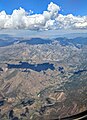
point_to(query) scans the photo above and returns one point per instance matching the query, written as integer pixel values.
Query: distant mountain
(36, 41)
(75, 41)
(64, 41)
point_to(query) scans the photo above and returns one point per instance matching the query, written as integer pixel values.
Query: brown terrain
(42, 81)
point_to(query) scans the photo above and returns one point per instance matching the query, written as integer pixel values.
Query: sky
(76, 7)
(43, 14)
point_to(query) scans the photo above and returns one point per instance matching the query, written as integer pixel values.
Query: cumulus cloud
(72, 22)
(49, 19)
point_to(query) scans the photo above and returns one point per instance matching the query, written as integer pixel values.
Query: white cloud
(50, 19)
(72, 22)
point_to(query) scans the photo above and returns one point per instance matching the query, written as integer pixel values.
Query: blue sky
(76, 7)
